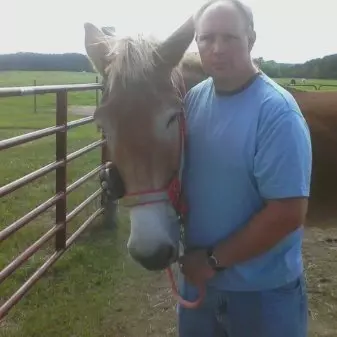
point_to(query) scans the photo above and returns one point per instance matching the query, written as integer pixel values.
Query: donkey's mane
(132, 83)
(132, 62)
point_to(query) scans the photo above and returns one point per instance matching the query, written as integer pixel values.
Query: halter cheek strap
(173, 194)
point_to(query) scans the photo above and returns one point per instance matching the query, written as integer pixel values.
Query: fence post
(61, 172)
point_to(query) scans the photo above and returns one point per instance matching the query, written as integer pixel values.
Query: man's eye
(205, 38)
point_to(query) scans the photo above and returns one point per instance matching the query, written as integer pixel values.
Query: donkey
(141, 115)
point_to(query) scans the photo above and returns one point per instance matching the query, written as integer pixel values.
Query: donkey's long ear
(108, 31)
(98, 46)
(171, 51)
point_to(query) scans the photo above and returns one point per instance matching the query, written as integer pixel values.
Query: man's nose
(219, 46)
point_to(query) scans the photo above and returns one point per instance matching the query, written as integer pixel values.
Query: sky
(287, 30)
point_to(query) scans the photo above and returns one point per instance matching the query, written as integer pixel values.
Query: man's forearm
(262, 232)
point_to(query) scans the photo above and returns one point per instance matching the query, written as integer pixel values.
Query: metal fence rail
(317, 87)
(62, 190)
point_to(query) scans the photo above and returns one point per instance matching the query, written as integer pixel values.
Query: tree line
(45, 62)
(324, 68)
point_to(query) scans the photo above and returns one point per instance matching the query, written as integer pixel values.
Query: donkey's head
(140, 115)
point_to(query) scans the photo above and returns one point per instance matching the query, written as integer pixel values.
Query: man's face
(223, 41)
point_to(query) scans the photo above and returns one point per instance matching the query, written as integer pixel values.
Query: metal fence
(62, 190)
(317, 87)
(35, 100)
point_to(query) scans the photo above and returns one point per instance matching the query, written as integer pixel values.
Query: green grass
(317, 82)
(44, 103)
(94, 288)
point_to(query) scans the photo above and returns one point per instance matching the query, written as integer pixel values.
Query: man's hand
(195, 267)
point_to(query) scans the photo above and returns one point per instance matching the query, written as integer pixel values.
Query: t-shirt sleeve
(283, 159)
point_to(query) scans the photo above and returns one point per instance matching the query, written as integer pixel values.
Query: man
(247, 181)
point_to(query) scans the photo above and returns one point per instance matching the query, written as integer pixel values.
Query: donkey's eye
(172, 119)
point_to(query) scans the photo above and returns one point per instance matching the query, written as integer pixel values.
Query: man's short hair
(244, 10)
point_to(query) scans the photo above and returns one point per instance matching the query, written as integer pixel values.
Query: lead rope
(185, 303)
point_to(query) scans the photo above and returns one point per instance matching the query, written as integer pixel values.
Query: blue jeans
(280, 312)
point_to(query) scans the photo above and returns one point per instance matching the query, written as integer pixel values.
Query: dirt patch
(320, 243)
(82, 110)
(320, 257)
(140, 304)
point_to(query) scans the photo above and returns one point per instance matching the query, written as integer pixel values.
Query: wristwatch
(213, 261)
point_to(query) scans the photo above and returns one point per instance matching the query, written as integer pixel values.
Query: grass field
(45, 102)
(327, 85)
(95, 290)
(83, 294)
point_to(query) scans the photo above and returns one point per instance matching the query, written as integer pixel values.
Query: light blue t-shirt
(243, 148)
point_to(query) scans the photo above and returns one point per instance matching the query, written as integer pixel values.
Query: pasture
(95, 289)
(327, 85)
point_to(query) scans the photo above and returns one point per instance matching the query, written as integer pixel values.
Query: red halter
(173, 194)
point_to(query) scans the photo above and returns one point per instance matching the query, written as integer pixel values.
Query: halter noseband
(173, 194)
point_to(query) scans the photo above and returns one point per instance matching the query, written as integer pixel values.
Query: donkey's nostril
(159, 260)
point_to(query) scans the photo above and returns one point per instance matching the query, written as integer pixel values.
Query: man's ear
(251, 39)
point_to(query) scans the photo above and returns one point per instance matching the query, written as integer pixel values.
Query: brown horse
(141, 115)
(320, 111)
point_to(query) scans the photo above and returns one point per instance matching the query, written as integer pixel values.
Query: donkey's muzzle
(159, 260)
